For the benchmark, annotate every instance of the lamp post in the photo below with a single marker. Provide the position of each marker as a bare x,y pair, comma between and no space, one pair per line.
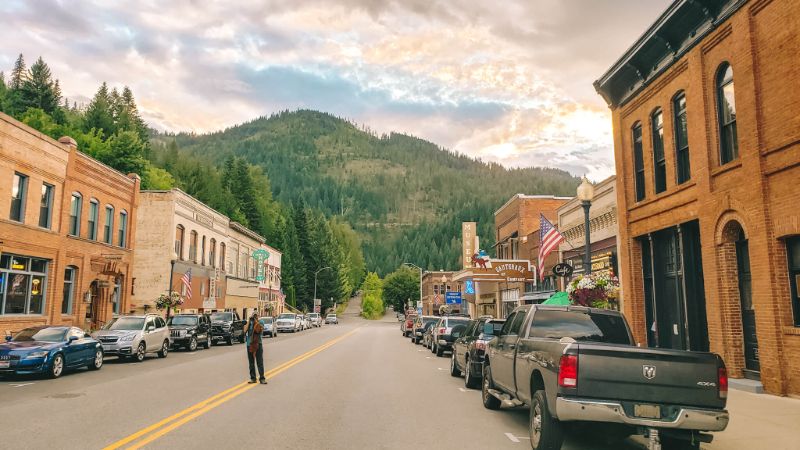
420,277
585,195
315,282
171,272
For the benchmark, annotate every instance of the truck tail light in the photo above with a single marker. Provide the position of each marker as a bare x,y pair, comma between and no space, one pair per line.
480,345
722,382
568,371
442,331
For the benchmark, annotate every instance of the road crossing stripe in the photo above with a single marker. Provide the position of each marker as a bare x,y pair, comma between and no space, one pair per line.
212,402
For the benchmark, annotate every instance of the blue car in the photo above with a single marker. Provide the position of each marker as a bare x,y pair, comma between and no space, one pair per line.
49,350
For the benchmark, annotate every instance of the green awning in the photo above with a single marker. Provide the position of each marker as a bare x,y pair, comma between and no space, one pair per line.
558,299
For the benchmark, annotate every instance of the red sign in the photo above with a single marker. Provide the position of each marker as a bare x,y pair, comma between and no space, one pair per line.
317,308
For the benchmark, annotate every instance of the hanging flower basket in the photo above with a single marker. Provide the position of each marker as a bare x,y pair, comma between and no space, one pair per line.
596,290
167,301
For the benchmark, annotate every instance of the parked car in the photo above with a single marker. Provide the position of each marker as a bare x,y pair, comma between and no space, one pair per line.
420,324
227,326
427,336
307,322
270,326
301,322
316,319
581,365
331,318
286,322
135,336
441,334
470,348
49,350
189,331
407,326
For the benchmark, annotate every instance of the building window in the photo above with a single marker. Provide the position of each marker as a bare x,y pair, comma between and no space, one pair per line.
116,295
222,255
46,207
179,234
659,163
726,104
75,214
122,237
193,246
93,213
681,138
638,161
212,253
23,283
19,187
793,253
109,226
203,251
69,289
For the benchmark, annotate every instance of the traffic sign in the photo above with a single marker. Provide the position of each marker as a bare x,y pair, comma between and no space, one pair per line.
453,298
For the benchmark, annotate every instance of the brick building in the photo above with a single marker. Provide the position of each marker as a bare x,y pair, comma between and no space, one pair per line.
242,289
66,226
706,119
435,285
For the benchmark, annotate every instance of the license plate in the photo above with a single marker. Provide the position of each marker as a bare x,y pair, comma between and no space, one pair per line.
647,411
5,364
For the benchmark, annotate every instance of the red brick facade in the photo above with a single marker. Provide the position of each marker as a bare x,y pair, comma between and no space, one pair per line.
756,193
98,268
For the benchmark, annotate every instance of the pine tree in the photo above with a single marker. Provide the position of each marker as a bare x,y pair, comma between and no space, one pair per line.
14,103
18,74
98,114
39,90
3,89
126,153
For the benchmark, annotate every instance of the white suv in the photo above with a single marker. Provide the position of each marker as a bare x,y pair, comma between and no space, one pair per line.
135,336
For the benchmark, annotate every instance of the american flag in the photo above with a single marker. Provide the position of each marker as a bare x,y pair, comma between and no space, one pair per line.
186,279
549,238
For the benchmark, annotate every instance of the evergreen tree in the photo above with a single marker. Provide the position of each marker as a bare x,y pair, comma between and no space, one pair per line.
18,74
3,89
126,153
14,103
39,90
98,114
128,118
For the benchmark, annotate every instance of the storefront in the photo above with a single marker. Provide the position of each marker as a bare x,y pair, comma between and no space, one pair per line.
23,284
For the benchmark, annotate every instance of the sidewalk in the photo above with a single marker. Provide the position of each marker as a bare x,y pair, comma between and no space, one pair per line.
758,421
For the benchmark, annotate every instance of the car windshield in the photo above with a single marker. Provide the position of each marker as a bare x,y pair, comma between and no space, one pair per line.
265,320
454,322
126,324
428,320
41,334
286,316
183,320
222,317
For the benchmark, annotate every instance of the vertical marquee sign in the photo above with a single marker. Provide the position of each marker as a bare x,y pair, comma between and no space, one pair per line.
469,245
260,256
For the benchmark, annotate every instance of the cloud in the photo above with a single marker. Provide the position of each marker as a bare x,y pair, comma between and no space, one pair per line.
510,84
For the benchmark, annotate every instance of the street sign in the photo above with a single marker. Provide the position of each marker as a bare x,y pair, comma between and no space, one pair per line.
317,308
419,304
419,311
317,302
260,256
453,298
562,270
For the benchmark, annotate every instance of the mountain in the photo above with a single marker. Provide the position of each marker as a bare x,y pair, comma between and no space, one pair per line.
406,197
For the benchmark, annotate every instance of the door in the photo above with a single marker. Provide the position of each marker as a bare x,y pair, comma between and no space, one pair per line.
151,338
503,365
75,352
751,362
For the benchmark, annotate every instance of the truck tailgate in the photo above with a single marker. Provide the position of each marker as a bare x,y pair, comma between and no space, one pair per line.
648,375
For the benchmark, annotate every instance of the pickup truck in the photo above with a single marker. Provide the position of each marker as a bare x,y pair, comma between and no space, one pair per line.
580,366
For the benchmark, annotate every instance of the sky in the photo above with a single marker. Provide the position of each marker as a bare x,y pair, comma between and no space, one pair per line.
508,82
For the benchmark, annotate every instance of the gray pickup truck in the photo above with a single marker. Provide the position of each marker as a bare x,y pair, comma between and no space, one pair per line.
579,367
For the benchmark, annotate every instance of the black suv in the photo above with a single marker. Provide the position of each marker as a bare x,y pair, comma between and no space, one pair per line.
442,337
470,348
189,330
227,326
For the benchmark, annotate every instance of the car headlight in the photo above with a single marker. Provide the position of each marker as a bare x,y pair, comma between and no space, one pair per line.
127,338
35,355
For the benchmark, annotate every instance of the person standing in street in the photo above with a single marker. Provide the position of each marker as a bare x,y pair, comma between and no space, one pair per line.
255,351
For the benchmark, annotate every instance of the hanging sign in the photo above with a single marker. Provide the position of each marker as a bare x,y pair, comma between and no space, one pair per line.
260,256
562,270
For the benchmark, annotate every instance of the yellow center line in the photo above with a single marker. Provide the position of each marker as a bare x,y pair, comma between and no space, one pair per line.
202,407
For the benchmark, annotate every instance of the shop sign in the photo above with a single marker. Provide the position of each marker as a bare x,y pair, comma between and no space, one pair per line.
469,287
468,247
562,270
209,303
260,256
514,271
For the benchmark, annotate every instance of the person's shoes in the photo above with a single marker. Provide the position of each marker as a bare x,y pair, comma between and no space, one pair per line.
251,381
263,381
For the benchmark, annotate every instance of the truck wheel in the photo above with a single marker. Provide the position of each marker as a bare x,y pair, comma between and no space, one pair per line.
454,371
489,400
545,430
470,380
164,349
229,340
439,351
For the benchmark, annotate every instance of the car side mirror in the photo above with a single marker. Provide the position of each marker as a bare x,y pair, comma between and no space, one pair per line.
8,338
72,339
150,328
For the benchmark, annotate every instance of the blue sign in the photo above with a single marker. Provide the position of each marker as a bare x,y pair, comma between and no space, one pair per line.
469,287
419,311
453,298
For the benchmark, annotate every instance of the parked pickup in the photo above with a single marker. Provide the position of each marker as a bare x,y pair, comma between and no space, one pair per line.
581,365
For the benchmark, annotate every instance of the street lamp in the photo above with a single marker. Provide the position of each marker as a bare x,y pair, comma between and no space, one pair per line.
171,271
585,195
420,277
315,281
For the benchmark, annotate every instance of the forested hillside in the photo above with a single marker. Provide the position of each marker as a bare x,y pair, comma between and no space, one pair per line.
406,197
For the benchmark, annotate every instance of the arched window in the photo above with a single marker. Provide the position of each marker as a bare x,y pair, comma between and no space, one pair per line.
682,167
108,228
75,205
94,212
203,251
659,162
222,256
193,246
179,236
638,160
726,106
122,238
212,253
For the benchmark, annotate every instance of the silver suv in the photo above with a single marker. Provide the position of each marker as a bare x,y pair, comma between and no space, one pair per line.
135,336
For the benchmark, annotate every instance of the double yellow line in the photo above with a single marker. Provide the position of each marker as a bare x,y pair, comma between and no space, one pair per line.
158,429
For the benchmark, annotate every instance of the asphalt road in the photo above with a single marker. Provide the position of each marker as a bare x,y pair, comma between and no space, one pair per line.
357,385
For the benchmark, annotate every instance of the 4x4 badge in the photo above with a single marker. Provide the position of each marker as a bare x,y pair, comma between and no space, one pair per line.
649,372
